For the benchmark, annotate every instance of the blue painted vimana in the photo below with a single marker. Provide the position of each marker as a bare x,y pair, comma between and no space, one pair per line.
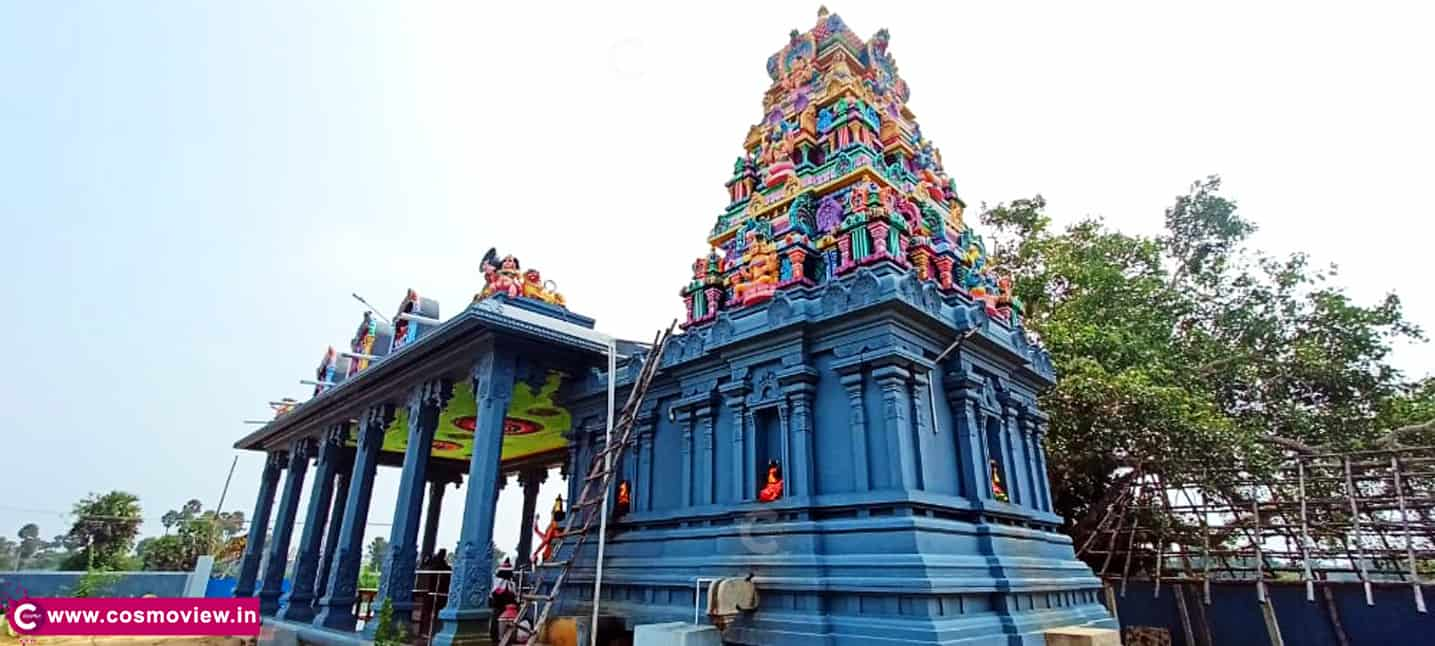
849,416
914,505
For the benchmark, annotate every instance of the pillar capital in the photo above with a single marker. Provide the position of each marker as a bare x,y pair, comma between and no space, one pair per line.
434,393
531,478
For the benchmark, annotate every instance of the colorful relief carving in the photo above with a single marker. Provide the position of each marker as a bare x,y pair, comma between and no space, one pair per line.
772,489
838,175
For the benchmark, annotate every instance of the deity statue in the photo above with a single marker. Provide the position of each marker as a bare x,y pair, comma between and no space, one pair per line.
998,491
533,287
549,536
756,279
773,490
777,160
625,499
500,276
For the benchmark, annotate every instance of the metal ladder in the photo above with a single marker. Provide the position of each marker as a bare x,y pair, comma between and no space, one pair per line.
584,513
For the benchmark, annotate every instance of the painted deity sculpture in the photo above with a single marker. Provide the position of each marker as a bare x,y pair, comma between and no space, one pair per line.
506,277
500,276
757,277
533,287
772,490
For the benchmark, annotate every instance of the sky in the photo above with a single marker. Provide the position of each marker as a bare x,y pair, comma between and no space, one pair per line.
191,191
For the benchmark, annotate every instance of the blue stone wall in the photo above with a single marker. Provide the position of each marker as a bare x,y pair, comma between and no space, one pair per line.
61,584
888,529
1234,615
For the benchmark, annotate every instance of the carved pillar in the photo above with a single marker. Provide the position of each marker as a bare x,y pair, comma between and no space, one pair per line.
299,604
685,420
800,386
530,479
337,607
644,479
963,393
331,534
259,524
431,519
1038,426
924,425
857,421
896,408
1021,466
467,613
299,454
708,491
734,393
396,580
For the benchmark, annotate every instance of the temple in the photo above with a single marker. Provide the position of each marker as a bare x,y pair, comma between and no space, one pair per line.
848,419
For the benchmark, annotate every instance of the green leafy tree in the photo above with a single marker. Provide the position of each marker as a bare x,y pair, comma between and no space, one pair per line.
1185,349
30,544
378,551
9,554
104,532
388,632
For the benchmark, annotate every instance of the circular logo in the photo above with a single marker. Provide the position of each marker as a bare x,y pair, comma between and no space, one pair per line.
25,616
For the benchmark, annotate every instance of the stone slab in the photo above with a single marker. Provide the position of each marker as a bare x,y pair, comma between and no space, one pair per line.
1080,636
676,634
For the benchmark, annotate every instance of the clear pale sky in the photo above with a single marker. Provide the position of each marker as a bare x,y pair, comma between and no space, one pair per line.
190,191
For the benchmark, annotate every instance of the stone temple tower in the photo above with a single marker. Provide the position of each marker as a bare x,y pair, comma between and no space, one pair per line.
850,417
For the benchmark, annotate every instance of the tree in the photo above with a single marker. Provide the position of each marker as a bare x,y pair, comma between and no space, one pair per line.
9,554
378,551
1186,350
104,531
168,553
30,544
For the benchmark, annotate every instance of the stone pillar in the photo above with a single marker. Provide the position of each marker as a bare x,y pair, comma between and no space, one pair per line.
336,609
800,387
644,482
963,393
924,424
896,408
466,616
299,604
431,518
299,454
708,491
331,537
685,420
852,381
530,479
1021,469
1039,425
396,580
259,524
734,394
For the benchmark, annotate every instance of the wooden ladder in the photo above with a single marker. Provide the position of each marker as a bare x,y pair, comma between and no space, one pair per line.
585,511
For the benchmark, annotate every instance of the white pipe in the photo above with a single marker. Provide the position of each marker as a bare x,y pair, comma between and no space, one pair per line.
360,355
311,382
607,479
698,595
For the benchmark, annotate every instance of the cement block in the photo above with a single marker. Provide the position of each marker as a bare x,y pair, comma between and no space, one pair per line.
676,634
1078,636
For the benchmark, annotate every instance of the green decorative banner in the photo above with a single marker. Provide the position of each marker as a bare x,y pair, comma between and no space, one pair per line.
535,423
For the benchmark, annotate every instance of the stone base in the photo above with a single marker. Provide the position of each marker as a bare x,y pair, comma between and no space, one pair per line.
1080,636
676,634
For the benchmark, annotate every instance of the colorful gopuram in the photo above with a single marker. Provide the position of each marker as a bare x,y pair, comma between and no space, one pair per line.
849,419
815,428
